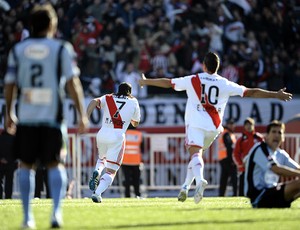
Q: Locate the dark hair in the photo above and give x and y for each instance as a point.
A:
(249, 120)
(124, 89)
(275, 123)
(40, 18)
(212, 62)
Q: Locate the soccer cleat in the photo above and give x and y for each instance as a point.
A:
(56, 221)
(28, 225)
(96, 198)
(199, 191)
(94, 181)
(183, 194)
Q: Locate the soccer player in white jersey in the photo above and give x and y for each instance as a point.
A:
(207, 94)
(264, 165)
(38, 70)
(119, 110)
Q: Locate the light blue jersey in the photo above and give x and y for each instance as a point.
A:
(40, 67)
(258, 163)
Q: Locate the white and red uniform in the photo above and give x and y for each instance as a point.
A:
(118, 112)
(208, 95)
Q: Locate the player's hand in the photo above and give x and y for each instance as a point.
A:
(10, 124)
(141, 81)
(284, 96)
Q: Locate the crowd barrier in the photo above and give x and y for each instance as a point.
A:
(164, 163)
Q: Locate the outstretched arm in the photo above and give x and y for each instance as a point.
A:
(261, 93)
(159, 82)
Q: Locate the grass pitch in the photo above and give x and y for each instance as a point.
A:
(155, 213)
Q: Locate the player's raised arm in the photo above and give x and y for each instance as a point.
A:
(261, 93)
(159, 82)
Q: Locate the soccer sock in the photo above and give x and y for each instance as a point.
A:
(105, 181)
(57, 178)
(100, 165)
(197, 164)
(189, 177)
(27, 184)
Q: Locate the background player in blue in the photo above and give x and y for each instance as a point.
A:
(38, 70)
(265, 163)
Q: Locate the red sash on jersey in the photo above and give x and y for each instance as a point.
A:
(114, 112)
(211, 110)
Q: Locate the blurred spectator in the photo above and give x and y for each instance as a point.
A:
(173, 33)
(214, 32)
(131, 76)
(275, 78)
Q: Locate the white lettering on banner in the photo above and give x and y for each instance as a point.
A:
(169, 112)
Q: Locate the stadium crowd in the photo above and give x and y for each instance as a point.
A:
(115, 40)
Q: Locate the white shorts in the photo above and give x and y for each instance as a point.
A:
(199, 137)
(111, 145)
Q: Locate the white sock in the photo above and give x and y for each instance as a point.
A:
(100, 165)
(105, 181)
(189, 177)
(197, 164)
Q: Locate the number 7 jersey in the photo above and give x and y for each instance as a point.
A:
(118, 111)
(207, 95)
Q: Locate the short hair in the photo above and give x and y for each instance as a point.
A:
(275, 123)
(124, 89)
(249, 120)
(212, 62)
(41, 17)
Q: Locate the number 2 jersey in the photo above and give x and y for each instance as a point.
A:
(118, 111)
(208, 95)
(40, 67)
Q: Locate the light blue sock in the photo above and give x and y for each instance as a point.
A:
(27, 184)
(58, 185)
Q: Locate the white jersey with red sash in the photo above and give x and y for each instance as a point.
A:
(118, 111)
(208, 95)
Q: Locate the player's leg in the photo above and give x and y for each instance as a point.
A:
(100, 165)
(292, 190)
(26, 150)
(183, 193)
(114, 157)
(53, 142)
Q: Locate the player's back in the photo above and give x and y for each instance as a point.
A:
(118, 111)
(208, 95)
(37, 63)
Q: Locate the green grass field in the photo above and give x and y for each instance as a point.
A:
(155, 213)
